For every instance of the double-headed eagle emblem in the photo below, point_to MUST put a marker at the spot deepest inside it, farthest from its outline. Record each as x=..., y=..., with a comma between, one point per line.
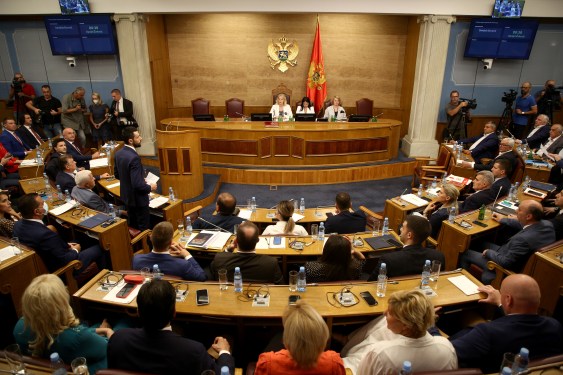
x=283, y=53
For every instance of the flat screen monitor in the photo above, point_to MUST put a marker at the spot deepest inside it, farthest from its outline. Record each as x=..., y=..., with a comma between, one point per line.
x=260, y=117
x=206, y=117
x=501, y=38
x=81, y=35
x=74, y=6
x=305, y=117
x=359, y=118
x=508, y=8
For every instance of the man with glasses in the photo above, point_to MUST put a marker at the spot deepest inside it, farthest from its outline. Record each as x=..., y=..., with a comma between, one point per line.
x=505, y=152
x=525, y=109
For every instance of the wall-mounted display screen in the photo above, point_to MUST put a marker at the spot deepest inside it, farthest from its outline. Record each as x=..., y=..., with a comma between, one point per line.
x=81, y=35
x=74, y=6
x=508, y=8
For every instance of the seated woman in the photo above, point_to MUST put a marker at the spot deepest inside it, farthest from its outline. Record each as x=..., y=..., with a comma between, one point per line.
x=281, y=108
x=48, y=325
x=335, y=110
x=439, y=209
x=339, y=262
x=305, y=335
x=305, y=106
x=285, y=224
x=8, y=216
x=381, y=346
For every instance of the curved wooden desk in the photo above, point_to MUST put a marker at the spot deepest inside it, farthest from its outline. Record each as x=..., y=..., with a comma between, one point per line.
x=293, y=143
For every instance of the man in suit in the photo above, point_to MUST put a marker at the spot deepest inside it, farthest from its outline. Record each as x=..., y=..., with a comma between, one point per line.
x=134, y=190
x=538, y=134
x=171, y=257
x=410, y=259
x=83, y=193
x=534, y=233
x=519, y=325
x=557, y=221
x=505, y=152
x=225, y=218
x=554, y=143
x=82, y=160
x=27, y=133
x=254, y=267
x=65, y=177
x=483, y=195
x=501, y=169
x=52, y=249
x=345, y=221
x=52, y=167
x=484, y=145
x=121, y=110
x=12, y=141
x=154, y=348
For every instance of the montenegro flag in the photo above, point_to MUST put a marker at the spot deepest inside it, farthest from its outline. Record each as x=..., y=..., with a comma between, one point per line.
x=316, y=80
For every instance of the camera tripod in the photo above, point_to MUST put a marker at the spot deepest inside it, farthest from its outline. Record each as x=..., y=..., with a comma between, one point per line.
x=505, y=119
x=462, y=123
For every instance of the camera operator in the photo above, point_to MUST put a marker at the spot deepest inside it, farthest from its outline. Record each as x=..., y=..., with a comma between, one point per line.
x=21, y=92
x=48, y=110
x=524, y=110
x=74, y=107
x=548, y=99
x=455, y=111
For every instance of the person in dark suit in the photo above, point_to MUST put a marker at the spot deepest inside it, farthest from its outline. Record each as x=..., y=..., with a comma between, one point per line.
x=134, y=190
x=28, y=134
x=484, y=145
x=557, y=221
x=538, y=134
x=52, y=166
x=505, y=152
x=12, y=141
x=254, y=267
x=225, y=218
x=534, y=233
x=501, y=169
x=171, y=257
x=154, y=348
x=81, y=159
x=410, y=259
x=554, y=142
x=65, y=177
x=483, y=195
x=121, y=110
x=52, y=249
x=519, y=325
x=345, y=221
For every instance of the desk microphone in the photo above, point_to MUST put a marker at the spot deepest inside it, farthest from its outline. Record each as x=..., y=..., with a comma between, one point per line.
x=376, y=116
x=274, y=206
x=240, y=114
x=213, y=225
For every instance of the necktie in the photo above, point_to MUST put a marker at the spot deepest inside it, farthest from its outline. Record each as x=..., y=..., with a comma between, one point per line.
x=76, y=148
x=36, y=136
x=117, y=107
x=17, y=138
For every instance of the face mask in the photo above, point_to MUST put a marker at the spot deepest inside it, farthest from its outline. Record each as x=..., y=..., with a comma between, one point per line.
x=46, y=207
x=96, y=101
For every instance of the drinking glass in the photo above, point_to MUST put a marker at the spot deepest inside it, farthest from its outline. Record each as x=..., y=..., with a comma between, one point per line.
x=375, y=227
x=14, y=358
x=507, y=360
x=249, y=206
x=146, y=273
x=181, y=230
x=315, y=232
x=79, y=366
x=435, y=273
x=15, y=242
x=292, y=281
x=223, y=282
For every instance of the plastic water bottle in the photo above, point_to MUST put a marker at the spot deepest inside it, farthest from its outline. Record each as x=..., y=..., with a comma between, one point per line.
x=506, y=371
x=382, y=281
x=526, y=183
x=451, y=216
x=516, y=186
x=521, y=361
x=111, y=212
x=322, y=232
x=67, y=196
x=253, y=204
x=188, y=228
x=156, y=272
x=57, y=364
x=171, y=195
x=46, y=181
x=301, y=280
x=434, y=182
x=385, y=229
x=302, y=206
x=237, y=278
x=225, y=370
x=420, y=190
x=38, y=156
x=445, y=179
x=407, y=368
x=59, y=193
x=425, y=277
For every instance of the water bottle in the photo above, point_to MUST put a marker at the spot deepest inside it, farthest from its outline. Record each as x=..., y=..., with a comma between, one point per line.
x=460, y=148
x=445, y=179
x=511, y=193
x=50, y=142
x=420, y=190
x=46, y=181
x=38, y=156
x=382, y=281
x=506, y=371
x=225, y=370
x=59, y=193
x=451, y=216
x=253, y=204
x=57, y=364
x=111, y=211
x=188, y=228
x=171, y=196
x=407, y=368
x=322, y=232
x=521, y=361
x=516, y=186
x=302, y=205
x=238, y=280
x=385, y=229
x=481, y=215
x=526, y=183
x=156, y=272
x=434, y=182
x=67, y=196
x=301, y=280
x=425, y=277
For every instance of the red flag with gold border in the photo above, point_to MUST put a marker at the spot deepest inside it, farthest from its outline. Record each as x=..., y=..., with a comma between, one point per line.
x=316, y=79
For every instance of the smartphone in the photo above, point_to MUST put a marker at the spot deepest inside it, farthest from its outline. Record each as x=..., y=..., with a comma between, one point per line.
x=368, y=298
x=126, y=290
x=329, y=214
x=293, y=299
x=202, y=298
x=277, y=240
x=477, y=222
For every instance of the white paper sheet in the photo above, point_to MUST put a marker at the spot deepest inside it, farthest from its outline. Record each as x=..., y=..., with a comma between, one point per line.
x=28, y=162
x=464, y=284
x=8, y=252
x=157, y=202
x=151, y=178
x=113, y=185
x=97, y=163
x=245, y=214
x=296, y=217
x=63, y=208
x=413, y=199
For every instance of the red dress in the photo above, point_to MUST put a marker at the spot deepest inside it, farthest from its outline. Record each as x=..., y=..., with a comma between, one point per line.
x=11, y=166
x=281, y=363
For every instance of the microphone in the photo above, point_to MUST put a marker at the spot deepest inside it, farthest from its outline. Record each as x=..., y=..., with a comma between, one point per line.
x=496, y=199
x=240, y=114
x=213, y=225
x=274, y=206
x=377, y=116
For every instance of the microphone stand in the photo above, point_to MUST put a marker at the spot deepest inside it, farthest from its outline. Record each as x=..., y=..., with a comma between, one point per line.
x=213, y=225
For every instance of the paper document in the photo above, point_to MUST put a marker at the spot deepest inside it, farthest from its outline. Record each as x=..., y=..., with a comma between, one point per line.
x=8, y=252
x=63, y=208
x=245, y=214
x=151, y=178
x=464, y=284
x=112, y=294
x=458, y=181
x=268, y=243
x=297, y=217
x=157, y=202
x=113, y=185
x=219, y=241
x=28, y=162
x=413, y=199
x=100, y=162
x=209, y=239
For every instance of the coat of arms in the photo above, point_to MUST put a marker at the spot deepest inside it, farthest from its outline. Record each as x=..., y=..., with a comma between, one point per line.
x=283, y=53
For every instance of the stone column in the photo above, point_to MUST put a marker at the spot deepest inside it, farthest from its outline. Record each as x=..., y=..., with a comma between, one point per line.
x=135, y=68
x=429, y=76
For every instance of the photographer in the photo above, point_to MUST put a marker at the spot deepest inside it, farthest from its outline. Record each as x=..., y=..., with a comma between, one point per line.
x=48, y=111
x=74, y=107
x=525, y=109
x=548, y=99
x=456, y=111
x=21, y=92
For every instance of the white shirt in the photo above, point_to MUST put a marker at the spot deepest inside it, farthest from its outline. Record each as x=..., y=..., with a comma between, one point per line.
x=309, y=110
x=476, y=143
x=329, y=113
x=534, y=130
x=278, y=228
x=275, y=111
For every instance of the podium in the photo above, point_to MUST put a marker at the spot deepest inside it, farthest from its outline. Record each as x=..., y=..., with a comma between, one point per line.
x=179, y=156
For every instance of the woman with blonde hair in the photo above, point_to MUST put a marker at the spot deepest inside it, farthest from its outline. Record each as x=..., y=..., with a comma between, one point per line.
x=98, y=119
x=335, y=110
x=305, y=335
x=48, y=325
x=381, y=346
x=281, y=109
x=285, y=224
x=439, y=209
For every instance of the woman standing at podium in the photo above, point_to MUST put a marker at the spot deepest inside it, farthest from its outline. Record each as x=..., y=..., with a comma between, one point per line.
x=281, y=108
x=305, y=106
x=335, y=111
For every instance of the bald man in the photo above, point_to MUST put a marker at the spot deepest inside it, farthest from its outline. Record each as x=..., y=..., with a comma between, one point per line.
x=521, y=326
x=225, y=218
x=534, y=233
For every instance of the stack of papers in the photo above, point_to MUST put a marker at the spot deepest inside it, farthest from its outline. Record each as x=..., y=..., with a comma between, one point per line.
x=63, y=208
x=100, y=162
x=8, y=252
x=157, y=202
x=458, y=181
x=414, y=200
x=28, y=162
x=207, y=239
x=464, y=284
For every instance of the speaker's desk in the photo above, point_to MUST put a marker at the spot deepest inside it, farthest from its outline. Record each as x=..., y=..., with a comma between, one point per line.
x=292, y=143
